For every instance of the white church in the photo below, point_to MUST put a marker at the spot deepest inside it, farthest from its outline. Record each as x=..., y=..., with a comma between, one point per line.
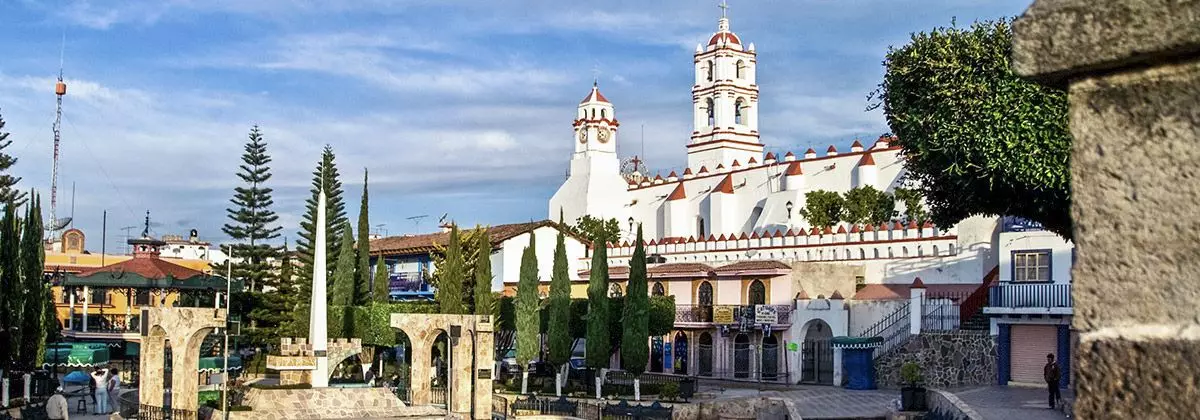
x=727, y=237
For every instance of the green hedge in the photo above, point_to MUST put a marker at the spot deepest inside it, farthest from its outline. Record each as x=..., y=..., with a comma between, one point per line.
x=372, y=323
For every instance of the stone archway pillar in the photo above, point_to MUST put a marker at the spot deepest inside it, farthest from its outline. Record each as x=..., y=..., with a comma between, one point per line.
x=470, y=382
x=150, y=387
x=185, y=328
x=418, y=376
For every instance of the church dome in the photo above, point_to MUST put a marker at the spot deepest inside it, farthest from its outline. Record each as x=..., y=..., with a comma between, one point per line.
x=724, y=37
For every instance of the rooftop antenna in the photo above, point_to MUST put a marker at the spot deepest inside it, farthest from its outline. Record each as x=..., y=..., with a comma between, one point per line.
x=417, y=222
x=60, y=90
x=127, y=229
x=379, y=229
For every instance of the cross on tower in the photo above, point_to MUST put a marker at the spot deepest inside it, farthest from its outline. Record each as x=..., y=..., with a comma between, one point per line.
x=596, y=75
x=724, y=8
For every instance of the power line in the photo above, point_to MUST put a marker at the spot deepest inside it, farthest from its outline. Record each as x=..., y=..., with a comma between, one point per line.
x=102, y=170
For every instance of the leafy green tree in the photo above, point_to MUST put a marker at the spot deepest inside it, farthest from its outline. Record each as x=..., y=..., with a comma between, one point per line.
x=449, y=289
x=559, y=333
x=594, y=228
x=485, y=303
x=343, y=273
x=527, y=311
x=914, y=206
x=362, y=274
x=324, y=176
x=977, y=138
x=662, y=315
x=380, y=293
x=867, y=205
x=10, y=303
x=33, y=257
x=822, y=208
x=8, y=191
x=597, y=317
x=438, y=256
x=635, y=341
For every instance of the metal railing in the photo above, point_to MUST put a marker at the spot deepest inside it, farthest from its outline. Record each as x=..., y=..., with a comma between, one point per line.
x=544, y=406
x=742, y=314
x=693, y=313
x=1038, y=295
x=437, y=396
x=893, y=328
x=106, y=323
x=150, y=412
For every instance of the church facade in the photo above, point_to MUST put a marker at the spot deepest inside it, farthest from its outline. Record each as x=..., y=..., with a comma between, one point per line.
x=727, y=232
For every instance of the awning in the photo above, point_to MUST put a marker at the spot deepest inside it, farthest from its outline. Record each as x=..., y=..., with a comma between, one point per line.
x=83, y=355
x=217, y=364
x=77, y=377
x=133, y=349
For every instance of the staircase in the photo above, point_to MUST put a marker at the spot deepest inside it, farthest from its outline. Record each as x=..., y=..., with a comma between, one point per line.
x=894, y=329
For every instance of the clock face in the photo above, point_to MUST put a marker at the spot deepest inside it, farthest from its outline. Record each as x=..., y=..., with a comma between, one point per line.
x=604, y=136
x=583, y=136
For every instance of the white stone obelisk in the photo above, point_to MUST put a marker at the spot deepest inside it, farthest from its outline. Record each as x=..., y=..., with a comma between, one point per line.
x=317, y=334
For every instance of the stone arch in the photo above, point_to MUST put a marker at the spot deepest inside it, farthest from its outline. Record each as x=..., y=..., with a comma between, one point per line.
x=465, y=393
x=184, y=329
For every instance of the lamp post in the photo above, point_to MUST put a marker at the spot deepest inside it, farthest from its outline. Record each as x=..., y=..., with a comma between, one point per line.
x=228, y=290
x=789, y=206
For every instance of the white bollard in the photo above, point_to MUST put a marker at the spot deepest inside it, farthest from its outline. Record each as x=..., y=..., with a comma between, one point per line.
x=28, y=380
x=4, y=393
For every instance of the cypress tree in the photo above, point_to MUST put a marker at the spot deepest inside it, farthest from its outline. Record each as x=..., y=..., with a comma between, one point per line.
x=597, y=316
x=560, y=311
x=449, y=288
x=362, y=274
x=33, y=256
x=8, y=192
x=9, y=280
x=326, y=175
x=634, y=341
x=485, y=303
x=528, y=321
x=343, y=286
x=381, y=291
x=286, y=296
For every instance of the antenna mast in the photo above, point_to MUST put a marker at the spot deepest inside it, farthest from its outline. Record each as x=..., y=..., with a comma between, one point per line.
x=60, y=90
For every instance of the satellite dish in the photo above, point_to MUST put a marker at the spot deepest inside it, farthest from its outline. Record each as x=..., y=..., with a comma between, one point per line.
x=58, y=224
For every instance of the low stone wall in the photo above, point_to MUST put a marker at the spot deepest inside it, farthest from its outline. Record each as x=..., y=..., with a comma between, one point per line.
x=946, y=406
x=947, y=360
x=327, y=403
x=737, y=409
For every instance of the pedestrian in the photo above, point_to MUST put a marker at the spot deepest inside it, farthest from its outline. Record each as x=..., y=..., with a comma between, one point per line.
x=57, y=406
x=99, y=392
x=1052, y=375
x=114, y=391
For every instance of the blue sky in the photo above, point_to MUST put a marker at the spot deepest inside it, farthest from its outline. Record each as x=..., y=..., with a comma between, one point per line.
x=459, y=107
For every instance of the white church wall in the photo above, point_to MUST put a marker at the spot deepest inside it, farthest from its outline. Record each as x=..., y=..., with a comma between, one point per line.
x=1061, y=252
x=865, y=313
x=545, y=240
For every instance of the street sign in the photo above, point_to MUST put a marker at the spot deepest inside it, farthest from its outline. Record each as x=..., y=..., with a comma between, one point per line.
x=793, y=346
x=723, y=315
x=765, y=314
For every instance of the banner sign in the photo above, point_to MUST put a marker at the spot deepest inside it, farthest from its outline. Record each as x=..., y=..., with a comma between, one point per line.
x=765, y=314
x=723, y=315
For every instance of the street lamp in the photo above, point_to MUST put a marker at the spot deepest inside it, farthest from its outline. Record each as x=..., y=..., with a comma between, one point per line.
x=789, y=209
x=631, y=225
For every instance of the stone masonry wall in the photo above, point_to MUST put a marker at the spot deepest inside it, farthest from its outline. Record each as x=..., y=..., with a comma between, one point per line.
x=947, y=360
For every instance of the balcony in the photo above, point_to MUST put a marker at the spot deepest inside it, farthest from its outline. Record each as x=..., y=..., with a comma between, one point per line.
x=742, y=314
x=1030, y=298
x=103, y=326
x=409, y=286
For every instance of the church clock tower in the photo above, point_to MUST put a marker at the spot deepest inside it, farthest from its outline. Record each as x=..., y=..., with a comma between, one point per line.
x=594, y=185
x=724, y=101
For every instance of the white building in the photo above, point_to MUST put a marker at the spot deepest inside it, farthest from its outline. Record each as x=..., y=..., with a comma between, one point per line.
x=727, y=232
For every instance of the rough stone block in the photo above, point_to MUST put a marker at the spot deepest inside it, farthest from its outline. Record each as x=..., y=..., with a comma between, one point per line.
x=1138, y=380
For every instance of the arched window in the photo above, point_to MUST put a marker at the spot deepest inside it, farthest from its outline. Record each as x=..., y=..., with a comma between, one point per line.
x=847, y=254
x=709, y=67
x=757, y=294
x=904, y=251
x=737, y=112
x=951, y=249
x=935, y=250
x=712, y=120
x=700, y=227
x=741, y=69
x=659, y=290
x=890, y=254
x=704, y=294
x=593, y=114
x=876, y=253
x=920, y=251
x=615, y=290
x=862, y=254
x=602, y=114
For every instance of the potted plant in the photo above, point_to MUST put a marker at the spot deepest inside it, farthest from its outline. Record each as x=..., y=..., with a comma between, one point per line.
x=912, y=396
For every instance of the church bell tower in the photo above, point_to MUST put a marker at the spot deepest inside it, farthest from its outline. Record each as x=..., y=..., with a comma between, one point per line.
x=724, y=101
x=594, y=185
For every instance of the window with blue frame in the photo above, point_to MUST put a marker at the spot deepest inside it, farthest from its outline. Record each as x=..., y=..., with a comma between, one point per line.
x=1031, y=266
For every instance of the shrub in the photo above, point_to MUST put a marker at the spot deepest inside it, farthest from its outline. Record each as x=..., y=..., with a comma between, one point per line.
x=911, y=372
x=669, y=391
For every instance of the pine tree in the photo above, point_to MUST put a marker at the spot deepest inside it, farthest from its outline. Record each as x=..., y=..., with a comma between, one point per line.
x=343, y=287
x=634, y=341
x=362, y=275
x=33, y=256
x=326, y=176
x=9, y=280
x=449, y=289
x=381, y=292
x=597, y=316
x=8, y=192
x=251, y=218
x=528, y=321
x=560, y=312
x=485, y=303
x=286, y=296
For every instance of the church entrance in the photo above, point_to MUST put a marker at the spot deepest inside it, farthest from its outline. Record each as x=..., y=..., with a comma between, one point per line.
x=704, y=352
x=817, y=354
x=741, y=356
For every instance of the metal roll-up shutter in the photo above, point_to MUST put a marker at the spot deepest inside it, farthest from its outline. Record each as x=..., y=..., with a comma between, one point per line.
x=1030, y=344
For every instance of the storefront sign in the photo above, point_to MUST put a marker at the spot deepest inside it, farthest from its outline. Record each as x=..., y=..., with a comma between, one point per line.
x=723, y=315
x=765, y=314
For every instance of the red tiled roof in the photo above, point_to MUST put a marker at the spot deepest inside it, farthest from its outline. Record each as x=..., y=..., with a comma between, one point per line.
x=680, y=268
x=752, y=160
x=810, y=151
x=752, y=266
x=687, y=171
x=613, y=272
x=791, y=154
x=151, y=268
x=866, y=160
x=837, y=295
x=678, y=193
x=672, y=175
x=770, y=156
x=425, y=243
x=735, y=163
x=594, y=94
x=856, y=144
x=794, y=169
x=841, y=229
x=831, y=149
x=901, y=291
x=724, y=36
x=726, y=185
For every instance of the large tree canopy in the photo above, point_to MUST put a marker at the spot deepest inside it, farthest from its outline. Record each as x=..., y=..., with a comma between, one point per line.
x=977, y=138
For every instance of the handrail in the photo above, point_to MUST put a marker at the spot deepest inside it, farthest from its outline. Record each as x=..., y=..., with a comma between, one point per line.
x=878, y=328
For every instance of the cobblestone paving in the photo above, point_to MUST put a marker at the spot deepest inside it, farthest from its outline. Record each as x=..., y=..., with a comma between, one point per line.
x=818, y=402
x=1008, y=403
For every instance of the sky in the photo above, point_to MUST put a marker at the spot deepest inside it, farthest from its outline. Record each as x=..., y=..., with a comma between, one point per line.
x=458, y=107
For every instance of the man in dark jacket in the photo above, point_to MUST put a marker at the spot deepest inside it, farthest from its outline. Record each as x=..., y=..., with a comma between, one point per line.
x=1052, y=376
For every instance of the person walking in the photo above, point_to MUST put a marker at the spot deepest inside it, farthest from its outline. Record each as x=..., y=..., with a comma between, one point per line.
x=57, y=406
x=114, y=391
x=99, y=392
x=1052, y=375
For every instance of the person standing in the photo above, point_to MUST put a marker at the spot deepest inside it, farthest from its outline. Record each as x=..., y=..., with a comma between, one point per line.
x=99, y=393
x=1052, y=375
x=114, y=391
x=57, y=407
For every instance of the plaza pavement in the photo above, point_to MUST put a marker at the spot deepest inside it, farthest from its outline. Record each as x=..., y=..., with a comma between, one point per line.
x=1007, y=403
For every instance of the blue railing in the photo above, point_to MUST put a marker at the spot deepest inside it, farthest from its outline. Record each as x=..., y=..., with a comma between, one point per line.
x=1038, y=295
